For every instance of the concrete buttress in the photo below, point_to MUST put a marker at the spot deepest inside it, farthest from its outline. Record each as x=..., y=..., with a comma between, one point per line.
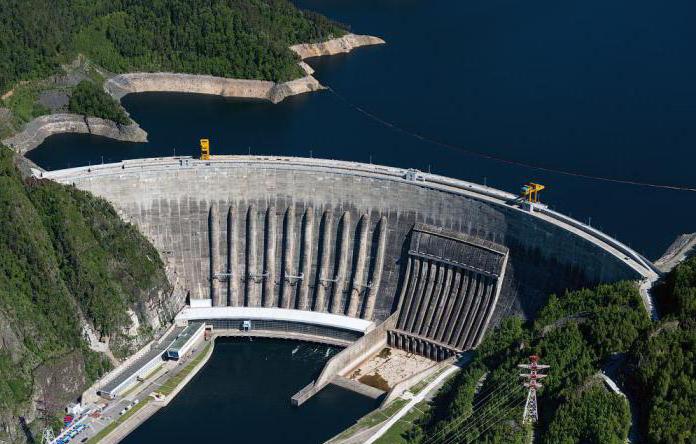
x=269, y=284
x=252, y=295
x=214, y=240
x=325, y=267
x=377, y=270
x=234, y=296
x=289, y=258
x=343, y=254
x=307, y=241
x=358, y=286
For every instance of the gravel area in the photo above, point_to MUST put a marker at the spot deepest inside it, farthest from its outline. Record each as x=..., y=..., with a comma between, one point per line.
x=393, y=365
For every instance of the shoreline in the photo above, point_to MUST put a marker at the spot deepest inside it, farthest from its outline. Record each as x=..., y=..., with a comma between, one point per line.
x=124, y=84
x=137, y=82
x=36, y=131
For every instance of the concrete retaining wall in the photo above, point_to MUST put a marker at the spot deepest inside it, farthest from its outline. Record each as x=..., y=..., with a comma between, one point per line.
x=348, y=359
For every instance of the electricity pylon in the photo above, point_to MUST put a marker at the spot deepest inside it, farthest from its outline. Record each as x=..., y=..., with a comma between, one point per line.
x=531, y=410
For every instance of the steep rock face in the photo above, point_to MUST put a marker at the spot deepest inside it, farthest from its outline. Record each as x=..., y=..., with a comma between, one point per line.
x=335, y=46
x=60, y=380
x=10, y=341
x=294, y=87
x=36, y=131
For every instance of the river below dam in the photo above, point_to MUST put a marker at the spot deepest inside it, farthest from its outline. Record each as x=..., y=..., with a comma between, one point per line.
x=600, y=88
x=243, y=393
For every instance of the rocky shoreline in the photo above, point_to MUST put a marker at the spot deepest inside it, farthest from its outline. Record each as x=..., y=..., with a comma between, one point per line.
x=120, y=85
x=123, y=84
x=340, y=45
x=36, y=131
x=681, y=249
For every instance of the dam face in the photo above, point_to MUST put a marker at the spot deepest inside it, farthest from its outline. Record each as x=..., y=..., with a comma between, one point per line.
x=362, y=241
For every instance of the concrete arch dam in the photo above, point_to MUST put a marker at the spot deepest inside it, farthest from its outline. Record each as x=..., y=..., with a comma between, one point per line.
x=446, y=258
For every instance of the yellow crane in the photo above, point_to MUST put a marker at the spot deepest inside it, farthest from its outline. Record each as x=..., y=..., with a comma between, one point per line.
x=205, y=149
x=530, y=192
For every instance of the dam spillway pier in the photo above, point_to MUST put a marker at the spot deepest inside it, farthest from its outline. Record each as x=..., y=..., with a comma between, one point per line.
x=269, y=293
x=289, y=258
x=447, y=258
x=342, y=259
x=324, y=278
x=307, y=243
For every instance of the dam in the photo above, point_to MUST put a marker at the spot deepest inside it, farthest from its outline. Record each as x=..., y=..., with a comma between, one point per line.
x=332, y=249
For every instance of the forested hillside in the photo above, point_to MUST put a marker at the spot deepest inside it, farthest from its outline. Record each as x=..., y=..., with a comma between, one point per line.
x=231, y=38
x=66, y=259
x=580, y=334
x=662, y=365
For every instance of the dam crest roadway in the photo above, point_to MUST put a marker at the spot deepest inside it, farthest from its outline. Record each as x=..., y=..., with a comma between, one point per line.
x=352, y=253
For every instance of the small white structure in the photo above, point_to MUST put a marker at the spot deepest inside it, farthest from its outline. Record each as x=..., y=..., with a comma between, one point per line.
x=74, y=409
x=201, y=303
x=414, y=175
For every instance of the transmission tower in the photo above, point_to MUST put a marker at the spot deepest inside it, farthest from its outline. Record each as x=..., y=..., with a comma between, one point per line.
x=48, y=436
x=531, y=411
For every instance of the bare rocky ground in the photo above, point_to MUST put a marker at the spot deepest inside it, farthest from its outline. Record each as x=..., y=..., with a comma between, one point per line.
x=390, y=365
x=31, y=99
x=681, y=249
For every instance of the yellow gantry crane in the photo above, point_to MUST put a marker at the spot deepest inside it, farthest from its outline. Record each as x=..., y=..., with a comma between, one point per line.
x=530, y=192
x=205, y=149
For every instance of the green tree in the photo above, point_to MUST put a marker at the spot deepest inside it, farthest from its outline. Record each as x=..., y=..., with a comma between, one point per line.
x=90, y=100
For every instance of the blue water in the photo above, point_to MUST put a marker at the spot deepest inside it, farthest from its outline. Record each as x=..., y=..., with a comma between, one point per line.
x=242, y=395
x=604, y=88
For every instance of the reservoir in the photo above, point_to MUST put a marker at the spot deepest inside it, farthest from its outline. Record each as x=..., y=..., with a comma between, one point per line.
x=562, y=86
x=243, y=395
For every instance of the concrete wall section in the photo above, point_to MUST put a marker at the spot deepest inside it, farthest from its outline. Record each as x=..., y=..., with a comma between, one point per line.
x=349, y=358
x=347, y=269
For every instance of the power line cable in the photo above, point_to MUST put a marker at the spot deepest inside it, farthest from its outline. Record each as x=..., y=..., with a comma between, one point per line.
x=450, y=428
x=519, y=403
x=501, y=159
x=482, y=419
x=478, y=422
x=464, y=416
